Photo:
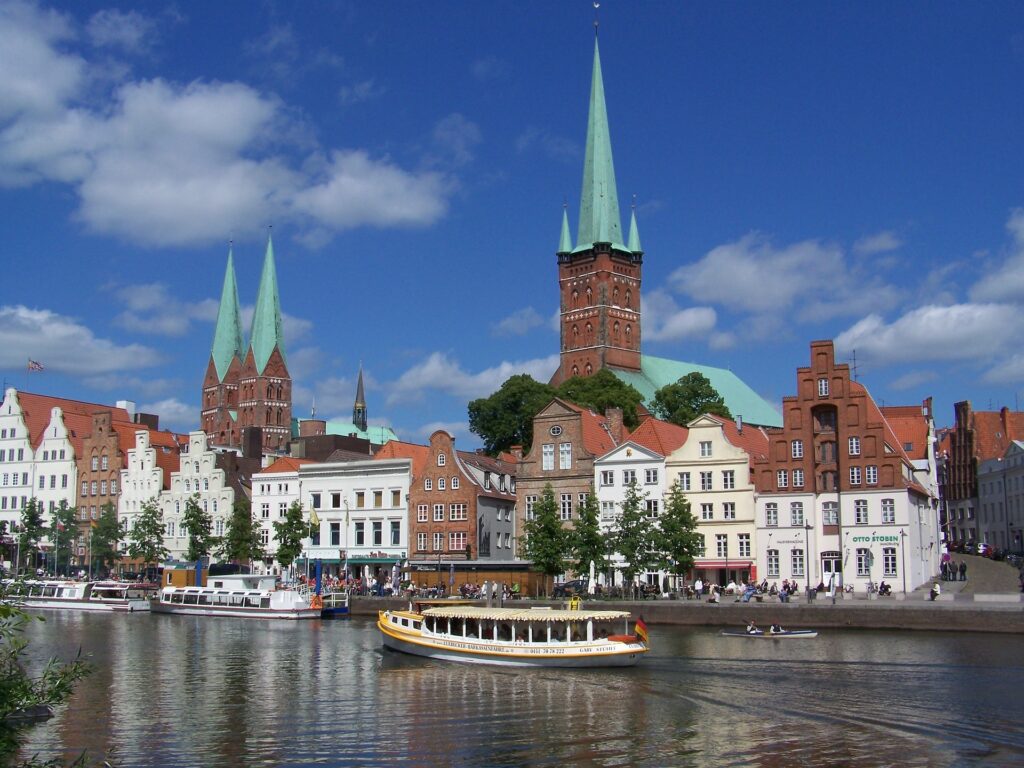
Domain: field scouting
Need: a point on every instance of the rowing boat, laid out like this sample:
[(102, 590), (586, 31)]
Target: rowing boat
[(786, 634)]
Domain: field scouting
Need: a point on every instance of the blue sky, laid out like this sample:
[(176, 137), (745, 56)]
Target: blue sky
[(801, 170)]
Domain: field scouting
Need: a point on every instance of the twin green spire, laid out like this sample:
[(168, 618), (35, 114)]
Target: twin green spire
[(267, 329), (600, 221)]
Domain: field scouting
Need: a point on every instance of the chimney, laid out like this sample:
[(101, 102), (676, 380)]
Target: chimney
[(614, 418), (128, 405), (517, 451), (739, 423), (150, 420)]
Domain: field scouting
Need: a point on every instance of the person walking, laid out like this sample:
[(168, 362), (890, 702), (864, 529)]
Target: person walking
[(963, 570), (944, 570)]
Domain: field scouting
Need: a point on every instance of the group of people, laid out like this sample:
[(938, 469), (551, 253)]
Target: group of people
[(950, 569), (774, 629)]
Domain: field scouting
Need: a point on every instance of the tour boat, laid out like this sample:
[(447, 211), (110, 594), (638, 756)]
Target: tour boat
[(785, 634), (119, 596), (518, 637), (242, 596)]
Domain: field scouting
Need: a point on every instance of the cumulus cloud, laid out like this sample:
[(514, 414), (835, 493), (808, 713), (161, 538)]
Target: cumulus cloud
[(519, 323), (64, 345), (913, 379), (1009, 370), (112, 28), (174, 414), (457, 429), (150, 308), (129, 386), (882, 242), (441, 373), (554, 147), (364, 90), (1006, 282), (941, 333), (665, 321), (163, 163)]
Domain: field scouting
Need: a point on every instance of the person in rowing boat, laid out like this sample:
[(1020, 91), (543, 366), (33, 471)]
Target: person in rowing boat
[(775, 629), (752, 628)]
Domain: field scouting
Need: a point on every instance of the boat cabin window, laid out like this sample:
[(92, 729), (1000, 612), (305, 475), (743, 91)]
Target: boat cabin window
[(191, 598)]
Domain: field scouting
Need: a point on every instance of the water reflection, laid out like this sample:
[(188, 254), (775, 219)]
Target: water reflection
[(181, 691)]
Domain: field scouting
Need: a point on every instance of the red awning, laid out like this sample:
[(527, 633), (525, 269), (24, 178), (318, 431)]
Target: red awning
[(708, 565)]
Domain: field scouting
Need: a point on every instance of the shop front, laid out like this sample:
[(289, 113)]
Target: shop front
[(723, 571)]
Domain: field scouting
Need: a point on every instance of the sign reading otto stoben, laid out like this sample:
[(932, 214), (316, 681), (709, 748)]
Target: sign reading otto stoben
[(877, 539)]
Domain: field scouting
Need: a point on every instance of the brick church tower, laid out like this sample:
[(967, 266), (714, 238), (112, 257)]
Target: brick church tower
[(248, 387), (599, 279)]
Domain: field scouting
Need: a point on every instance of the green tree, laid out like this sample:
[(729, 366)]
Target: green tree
[(677, 538), (687, 399), (634, 536), (587, 543), (106, 536), (199, 525), (63, 529), (506, 417), (31, 531), (19, 691), (601, 391), (546, 540), (241, 541), (289, 534), (146, 538)]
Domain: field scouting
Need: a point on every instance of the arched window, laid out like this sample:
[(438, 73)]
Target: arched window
[(575, 299), (629, 299), (575, 370), (590, 369), (615, 329), (615, 296), (590, 296), (270, 391), (575, 331), (629, 332)]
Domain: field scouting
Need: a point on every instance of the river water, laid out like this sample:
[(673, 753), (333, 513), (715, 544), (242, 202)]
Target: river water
[(180, 691)]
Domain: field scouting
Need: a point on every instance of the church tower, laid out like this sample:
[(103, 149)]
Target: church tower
[(599, 279), (265, 398), (220, 385), (359, 409)]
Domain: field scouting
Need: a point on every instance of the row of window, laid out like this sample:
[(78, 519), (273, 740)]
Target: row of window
[(359, 531), (12, 432), (169, 528), (707, 482), (829, 512), (456, 541), (53, 481), (360, 498), (9, 454), (865, 559), (12, 478), (629, 477), (722, 545), (265, 488), (428, 483), (548, 456), (796, 448), (91, 489), (205, 505), (707, 511)]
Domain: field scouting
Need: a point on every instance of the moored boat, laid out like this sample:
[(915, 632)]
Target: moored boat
[(239, 596), (519, 637), (127, 597)]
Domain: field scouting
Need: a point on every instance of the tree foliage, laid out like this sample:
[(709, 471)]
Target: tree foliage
[(199, 525), (31, 531), (506, 417), (587, 543), (546, 542), (146, 538), (678, 541), (106, 535), (289, 534), (241, 541), (688, 398), (20, 693), (62, 532), (634, 536), (602, 391)]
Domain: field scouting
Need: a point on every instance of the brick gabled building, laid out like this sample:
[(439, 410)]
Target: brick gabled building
[(566, 441), (975, 437), (838, 493)]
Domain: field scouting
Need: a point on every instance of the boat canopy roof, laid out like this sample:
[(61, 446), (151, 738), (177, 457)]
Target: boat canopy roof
[(521, 614)]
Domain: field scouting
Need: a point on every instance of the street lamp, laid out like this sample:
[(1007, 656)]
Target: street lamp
[(807, 554), (903, 558)]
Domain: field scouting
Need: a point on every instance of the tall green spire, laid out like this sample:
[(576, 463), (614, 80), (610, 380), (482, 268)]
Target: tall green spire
[(227, 339), (267, 329), (565, 242), (634, 234), (599, 202)]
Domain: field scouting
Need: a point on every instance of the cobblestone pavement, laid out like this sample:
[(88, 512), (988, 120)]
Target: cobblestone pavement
[(984, 576)]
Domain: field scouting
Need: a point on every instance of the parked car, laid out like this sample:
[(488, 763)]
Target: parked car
[(983, 549), (570, 588)]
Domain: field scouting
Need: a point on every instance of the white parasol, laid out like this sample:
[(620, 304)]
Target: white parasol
[(590, 584)]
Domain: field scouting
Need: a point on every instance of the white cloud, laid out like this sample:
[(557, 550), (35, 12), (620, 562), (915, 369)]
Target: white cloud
[(519, 323), (665, 321), (913, 379), (1009, 370), (457, 429), (882, 242), (152, 309), (164, 163), (128, 387), (1006, 283), (64, 345), (174, 414), (443, 374), (359, 92), (457, 138), (935, 333), (111, 28), (490, 68), (554, 147)]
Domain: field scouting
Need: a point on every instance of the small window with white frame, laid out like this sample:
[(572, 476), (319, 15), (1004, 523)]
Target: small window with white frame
[(565, 455), (439, 513), (860, 511), (871, 474), (705, 449), (798, 478), (441, 459), (854, 445), (707, 511), (729, 510), (440, 484), (888, 510), (771, 514), (705, 481), (863, 562), (797, 557), (729, 479), (773, 563), (547, 452), (628, 477), (854, 475), (797, 449), (830, 513), (889, 561), (782, 478), (422, 513), (607, 477), (455, 483), (796, 514), (684, 481), (822, 387), (651, 476)]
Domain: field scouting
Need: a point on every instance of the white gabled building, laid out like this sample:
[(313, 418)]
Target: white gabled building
[(146, 476), (198, 475), (274, 490), (713, 469)]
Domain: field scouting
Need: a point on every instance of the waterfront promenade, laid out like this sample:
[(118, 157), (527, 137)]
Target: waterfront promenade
[(989, 601)]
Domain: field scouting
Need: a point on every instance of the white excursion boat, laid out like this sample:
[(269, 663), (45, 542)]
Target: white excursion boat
[(518, 637), (242, 596), (119, 596)]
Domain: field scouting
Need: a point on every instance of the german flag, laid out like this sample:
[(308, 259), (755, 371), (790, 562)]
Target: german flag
[(641, 629)]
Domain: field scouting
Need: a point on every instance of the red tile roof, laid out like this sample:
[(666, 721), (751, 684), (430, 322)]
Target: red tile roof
[(753, 440), (286, 464), (995, 430), (662, 437), (875, 416), (77, 416), (396, 449), (597, 438), (911, 428)]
